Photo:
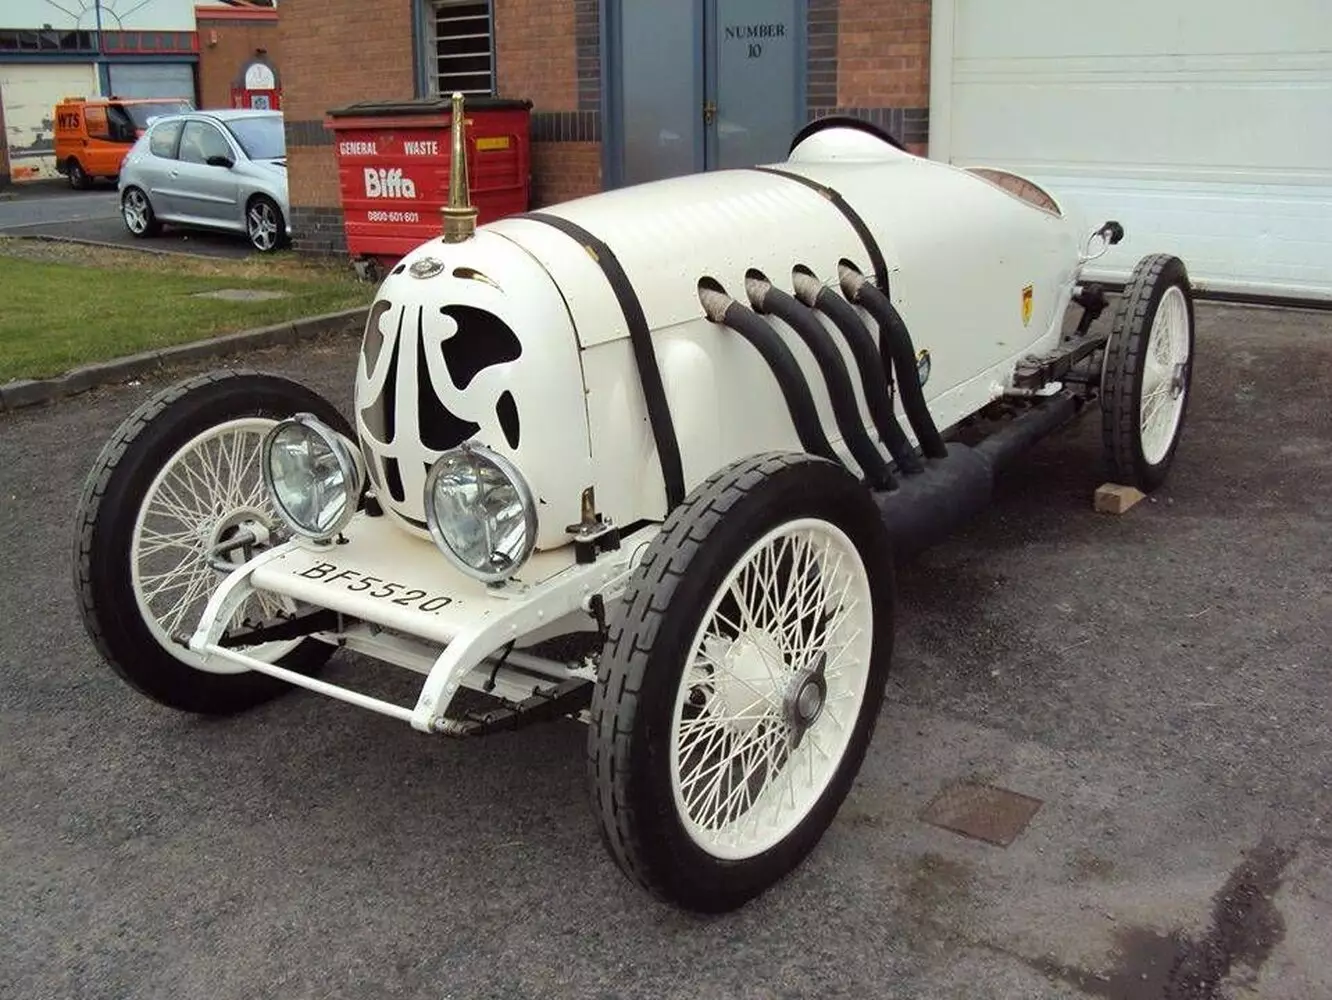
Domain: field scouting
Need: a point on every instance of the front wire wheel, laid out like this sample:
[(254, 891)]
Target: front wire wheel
[(776, 677), (179, 476), (742, 679), (207, 493)]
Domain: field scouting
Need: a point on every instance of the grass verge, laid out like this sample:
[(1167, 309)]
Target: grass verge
[(64, 305)]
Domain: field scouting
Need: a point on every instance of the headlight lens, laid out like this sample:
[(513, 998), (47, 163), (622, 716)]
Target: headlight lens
[(480, 512), (313, 476)]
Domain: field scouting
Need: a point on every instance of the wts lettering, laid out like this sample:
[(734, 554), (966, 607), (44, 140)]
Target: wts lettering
[(382, 183)]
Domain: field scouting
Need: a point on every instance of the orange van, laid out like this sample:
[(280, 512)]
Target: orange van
[(92, 135)]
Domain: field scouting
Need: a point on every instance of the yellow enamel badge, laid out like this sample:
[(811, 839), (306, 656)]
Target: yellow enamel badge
[(1026, 305)]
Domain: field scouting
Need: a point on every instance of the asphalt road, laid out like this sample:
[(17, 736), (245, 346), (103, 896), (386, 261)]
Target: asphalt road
[(49, 209), (1159, 681)]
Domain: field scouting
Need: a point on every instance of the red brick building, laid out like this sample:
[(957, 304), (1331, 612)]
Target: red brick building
[(240, 56), (594, 74)]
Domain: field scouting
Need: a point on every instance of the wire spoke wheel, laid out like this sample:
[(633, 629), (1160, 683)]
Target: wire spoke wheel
[(180, 477), (1163, 386), (776, 677), (1148, 372), (209, 492), (741, 680)]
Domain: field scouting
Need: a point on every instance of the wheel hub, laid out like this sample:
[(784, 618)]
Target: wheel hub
[(1177, 379), (230, 527), (805, 700)]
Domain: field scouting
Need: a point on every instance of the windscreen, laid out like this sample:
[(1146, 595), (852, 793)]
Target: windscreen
[(142, 114), (262, 138)]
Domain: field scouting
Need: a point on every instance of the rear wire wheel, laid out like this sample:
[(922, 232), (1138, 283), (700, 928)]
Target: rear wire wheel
[(742, 679), (1148, 373), (180, 475)]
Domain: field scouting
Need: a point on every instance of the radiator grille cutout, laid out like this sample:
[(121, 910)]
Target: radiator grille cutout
[(482, 340), (440, 428), (507, 412)]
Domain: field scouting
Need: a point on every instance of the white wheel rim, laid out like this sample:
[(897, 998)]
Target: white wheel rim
[(1163, 382), (212, 483), (263, 227), (136, 212), (740, 784)]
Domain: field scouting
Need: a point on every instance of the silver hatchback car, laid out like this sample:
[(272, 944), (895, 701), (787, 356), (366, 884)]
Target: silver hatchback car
[(224, 169)]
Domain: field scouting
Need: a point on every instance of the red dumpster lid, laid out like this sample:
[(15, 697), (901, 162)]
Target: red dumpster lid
[(425, 106)]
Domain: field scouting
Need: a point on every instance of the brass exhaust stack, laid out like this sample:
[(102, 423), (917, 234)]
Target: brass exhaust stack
[(459, 214)]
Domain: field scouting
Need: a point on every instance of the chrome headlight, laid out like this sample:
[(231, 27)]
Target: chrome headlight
[(313, 475), (480, 512)]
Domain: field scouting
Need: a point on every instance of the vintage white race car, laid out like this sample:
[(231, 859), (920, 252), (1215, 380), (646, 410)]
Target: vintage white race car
[(643, 459)]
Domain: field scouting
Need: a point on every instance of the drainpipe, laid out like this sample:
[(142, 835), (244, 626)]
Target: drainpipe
[(103, 75)]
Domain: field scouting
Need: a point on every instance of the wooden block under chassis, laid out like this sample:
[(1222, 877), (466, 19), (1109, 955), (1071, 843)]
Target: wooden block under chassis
[(1112, 498)]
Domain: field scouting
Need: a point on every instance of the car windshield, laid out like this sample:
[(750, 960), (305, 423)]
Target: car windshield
[(262, 138), (141, 114)]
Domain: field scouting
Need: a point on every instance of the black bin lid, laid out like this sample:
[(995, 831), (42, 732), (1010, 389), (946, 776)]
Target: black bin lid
[(427, 106)]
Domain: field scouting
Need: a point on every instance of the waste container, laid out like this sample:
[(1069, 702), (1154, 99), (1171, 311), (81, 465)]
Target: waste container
[(393, 168)]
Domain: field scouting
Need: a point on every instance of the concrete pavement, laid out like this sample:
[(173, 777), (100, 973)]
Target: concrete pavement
[(1159, 681)]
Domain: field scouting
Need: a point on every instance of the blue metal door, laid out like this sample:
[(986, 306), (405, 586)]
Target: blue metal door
[(697, 85), (755, 55)]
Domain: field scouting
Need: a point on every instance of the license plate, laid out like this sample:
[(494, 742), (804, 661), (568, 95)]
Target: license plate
[(373, 586)]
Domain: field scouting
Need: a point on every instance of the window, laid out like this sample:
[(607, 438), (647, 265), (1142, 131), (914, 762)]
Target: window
[(261, 137), (163, 139), (142, 115), (201, 141), (46, 40), (458, 47)]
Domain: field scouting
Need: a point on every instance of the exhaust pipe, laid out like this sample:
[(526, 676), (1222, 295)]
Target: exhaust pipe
[(874, 377), (895, 343), (767, 299), (929, 507), (721, 308)]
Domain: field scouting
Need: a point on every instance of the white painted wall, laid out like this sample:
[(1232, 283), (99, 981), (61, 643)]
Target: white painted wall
[(27, 90), (117, 15), (1205, 126)]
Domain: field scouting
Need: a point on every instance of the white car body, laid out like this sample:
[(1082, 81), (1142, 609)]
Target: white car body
[(981, 275)]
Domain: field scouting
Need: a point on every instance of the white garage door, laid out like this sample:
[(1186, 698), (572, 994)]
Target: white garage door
[(30, 92), (1205, 126)]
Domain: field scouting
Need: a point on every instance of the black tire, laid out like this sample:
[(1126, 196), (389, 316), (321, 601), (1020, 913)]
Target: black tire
[(1125, 367), (78, 177), (138, 198), (642, 665), (265, 208), (104, 526)]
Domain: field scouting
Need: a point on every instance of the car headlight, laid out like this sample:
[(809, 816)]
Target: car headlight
[(480, 512), (313, 474)]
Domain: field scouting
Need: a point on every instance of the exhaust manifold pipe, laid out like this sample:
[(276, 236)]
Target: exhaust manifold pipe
[(766, 298), (895, 343), (875, 379), (721, 308)]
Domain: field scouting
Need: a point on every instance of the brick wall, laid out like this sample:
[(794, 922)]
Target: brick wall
[(227, 45), (334, 52), (564, 170), (879, 65), (868, 58), (550, 54)]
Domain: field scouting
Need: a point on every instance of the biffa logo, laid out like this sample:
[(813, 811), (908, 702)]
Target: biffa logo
[(382, 183)]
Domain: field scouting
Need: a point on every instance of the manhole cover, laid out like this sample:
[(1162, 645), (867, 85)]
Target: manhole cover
[(984, 812), (241, 294)]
